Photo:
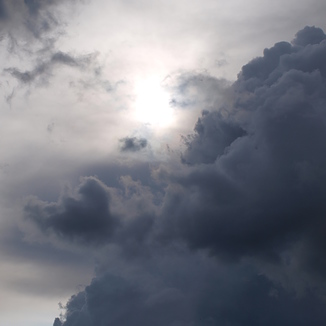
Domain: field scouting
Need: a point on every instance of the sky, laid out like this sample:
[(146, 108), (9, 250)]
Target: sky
[(162, 163)]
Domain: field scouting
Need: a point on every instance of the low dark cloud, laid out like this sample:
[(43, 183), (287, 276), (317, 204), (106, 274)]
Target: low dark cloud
[(200, 295), (94, 214), (132, 144), (213, 134), (3, 10), (57, 322), (262, 195), (249, 190), (308, 36), (43, 70), (265, 184), (84, 216)]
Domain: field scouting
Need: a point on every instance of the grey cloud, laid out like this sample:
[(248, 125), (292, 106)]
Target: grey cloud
[(84, 216), (309, 35), (190, 90), (77, 312), (284, 57), (30, 30), (252, 191), (37, 17), (264, 187), (57, 322), (3, 10), (66, 59), (27, 76), (187, 292), (44, 69), (213, 135), (95, 215), (34, 6), (132, 144)]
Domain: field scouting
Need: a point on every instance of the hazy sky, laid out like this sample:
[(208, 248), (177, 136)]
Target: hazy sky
[(162, 163)]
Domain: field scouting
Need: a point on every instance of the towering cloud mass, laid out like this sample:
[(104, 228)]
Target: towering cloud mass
[(85, 216), (235, 235), (258, 179)]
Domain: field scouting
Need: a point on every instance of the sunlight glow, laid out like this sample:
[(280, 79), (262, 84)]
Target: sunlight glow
[(152, 103)]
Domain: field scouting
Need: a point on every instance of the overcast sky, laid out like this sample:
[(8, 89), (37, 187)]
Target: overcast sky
[(162, 163)]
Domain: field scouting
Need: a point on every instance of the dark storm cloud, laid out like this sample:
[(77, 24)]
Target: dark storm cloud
[(57, 322), (187, 294), (132, 144), (213, 134), (309, 35), (253, 190), (95, 214), (265, 185), (3, 11), (84, 216)]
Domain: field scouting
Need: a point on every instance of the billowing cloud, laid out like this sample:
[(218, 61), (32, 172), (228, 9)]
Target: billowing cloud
[(249, 190), (84, 216), (57, 322), (263, 187), (207, 212), (95, 214), (213, 134), (190, 290)]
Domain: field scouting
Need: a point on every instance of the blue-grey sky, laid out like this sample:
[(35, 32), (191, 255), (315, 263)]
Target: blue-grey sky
[(162, 163)]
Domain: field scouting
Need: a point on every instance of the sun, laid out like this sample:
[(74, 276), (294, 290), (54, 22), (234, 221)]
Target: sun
[(152, 103)]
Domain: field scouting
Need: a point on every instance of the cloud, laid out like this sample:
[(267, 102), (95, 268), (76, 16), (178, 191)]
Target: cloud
[(84, 216), (213, 134), (57, 322), (260, 193), (32, 18), (132, 144), (309, 35), (43, 70), (30, 32), (249, 191), (188, 291), (94, 214)]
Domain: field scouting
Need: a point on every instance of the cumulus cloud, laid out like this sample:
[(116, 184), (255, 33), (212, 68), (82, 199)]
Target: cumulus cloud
[(249, 191), (190, 290), (94, 214), (30, 31), (213, 134), (84, 216), (57, 322), (264, 185), (309, 35)]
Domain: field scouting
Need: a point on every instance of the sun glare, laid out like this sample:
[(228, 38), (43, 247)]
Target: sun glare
[(152, 103)]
